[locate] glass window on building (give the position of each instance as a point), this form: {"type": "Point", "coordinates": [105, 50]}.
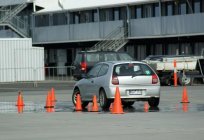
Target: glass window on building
{"type": "Point", "coordinates": [110, 14]}
{"type": "Point", "coordinates": [139, 11]}
{"type": "Point", "coordinates": [107, 14]}
{"type": "Point", "coordinates": [41, 20]}
{"type": "Point", "coordinates": [183, 8]}
{"type": "Point", "coordinates": [156, 10]}
{"type": "Point", "coordinates": [102, 15]}
{"type": "Point", "coordinates": [169, 9]}
{"type": "Point", "coordinates": [123, 13]}
{"type": "Point", "coordinates": [95, 16]}
{"type": "Point", "coordinates": [71, 18]}
{"type": "Point", "coordinates": [59, 18]}
{"type": "Point", "coordinates": [147, 11]}
{"type": "Point", "coordinates": [85, 16]}
{"type": "Point", "coordinates": [133, 12]}
{"type": "Point", "coordinates": [163, 9]}
{"type": "Point", "coordinates": [116, 13]}
{"type": "Point", "coordinates": [76, 17]}
{"type": "Point", "coordinates": [197, 6]}
{"type": "Point", "coordinates": [82, 17]}
{"type": "Point", "coordinates": [89, 16]}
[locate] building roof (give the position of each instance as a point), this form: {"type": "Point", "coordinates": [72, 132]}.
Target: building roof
{"type": "Point", "coordinates": [72, 5]}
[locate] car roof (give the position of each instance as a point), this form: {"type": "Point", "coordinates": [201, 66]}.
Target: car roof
{"type": "Point", "coordinates": [122, 62]}
{"type": "Point", "coordinates": [100, 52]}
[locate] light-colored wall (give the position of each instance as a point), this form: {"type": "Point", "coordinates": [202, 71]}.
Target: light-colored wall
{"type": "Point", "coordinates": [171, 26]}
{"type": "Point", "coordinates": [74, 32]}
{"type": "Point", "coordinates": [19, 61]}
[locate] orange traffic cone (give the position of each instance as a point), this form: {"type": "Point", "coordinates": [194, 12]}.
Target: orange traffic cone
{"type": "Point", "coordinates": [185, 107]}
{"type": "Point", "coordinates": [20, 99]}
{"type": "Point", "coordinates": [95, 104]}
{"type": "Point", "coordinates": [20, 109]}
{"type": "Point", "coordinates": [146, 107]}
{"type": "Point", "coordinates": [50, 110]}
{"type": "Point", "coordinates": [53, 98]}
{"type": "Point", "coordinates": [117, 104]}
{"type": "Point", "coordinates": [185, 96]}
{"type": "Point", "coordinates": [78, 106]}
{"type": "Point", "coordinates": [49, 103]}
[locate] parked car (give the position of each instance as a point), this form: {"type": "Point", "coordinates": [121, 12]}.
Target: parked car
{"type": "Point", "coordinates": [85, 60]}
{"type": "Point", "coordinates": [136, 80]}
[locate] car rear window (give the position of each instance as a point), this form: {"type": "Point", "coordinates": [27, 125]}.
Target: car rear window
{"type": "Point", "coordinates": [132, 69]}
{"type": "Point", "coordinates": [124, 56]}
{"type": "Point", "coordinates": [92, 57]}
{"type": "Point", "coordinates": [110, 56]}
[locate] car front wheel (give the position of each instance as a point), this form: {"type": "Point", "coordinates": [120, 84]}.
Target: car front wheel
{"type": "Point", "coordinates": [74, 97]}
{"type": "Point", "coordinates": [103, 101]}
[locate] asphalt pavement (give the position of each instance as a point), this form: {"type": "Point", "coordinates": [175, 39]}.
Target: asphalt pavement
{"type": "Point", "coordinates": [171, 120]}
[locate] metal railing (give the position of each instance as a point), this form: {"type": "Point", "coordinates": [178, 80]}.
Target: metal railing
{"type": "Point", "coordinates": [10, 13]}
{"type": "Point", "coordinates": [113, 41]}
{"type": "Point", "coordinates": [35, 75]}
{"type": "Point", "coordinates": [8, 17]}
{"type": "Point", "coordinates": [59, 73]}
{"type": "Point", "coordinates": [20, 25]}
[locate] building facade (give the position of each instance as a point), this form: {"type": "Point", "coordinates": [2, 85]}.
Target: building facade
{"type": "Point", "coordinates": [155, 27]}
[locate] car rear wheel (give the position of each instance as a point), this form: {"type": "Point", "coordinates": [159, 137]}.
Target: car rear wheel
{"type": "Point", "coordinates": [103, 101]}
{"type": "Point", "coordinates": [153, 102]}
{"type": "Point", "coordinates": [74, 97]}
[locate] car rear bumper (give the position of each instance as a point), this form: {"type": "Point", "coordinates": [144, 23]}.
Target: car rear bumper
{"type": "Point", "coordinates": [145, 92]}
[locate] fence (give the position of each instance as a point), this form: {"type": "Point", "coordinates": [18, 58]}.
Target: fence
{"type": "Point", "coordinates": [59, 73]}
{"type": "Point", "coordinates": [36, 74]}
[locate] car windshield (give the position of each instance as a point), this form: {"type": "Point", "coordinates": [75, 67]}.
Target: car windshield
{"type": "Point", "coordinates": [92, 57]}
{"type": "Point", "coordinates": [132, 69]}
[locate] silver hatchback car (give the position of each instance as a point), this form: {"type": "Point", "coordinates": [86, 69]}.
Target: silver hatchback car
{"type": "Point", "coordinates": [136, 81]}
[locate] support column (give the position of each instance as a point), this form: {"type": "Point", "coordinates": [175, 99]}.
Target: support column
{"type": "Point", "coordinates": [128, 21]}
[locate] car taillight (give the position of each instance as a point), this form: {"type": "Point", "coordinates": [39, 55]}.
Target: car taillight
{"type": "Point", "coordinates": [83, 66]}
{"type": "Point", "coordinates": [154, 79]}
{"type": "Point", "coordinates": [115, 80]}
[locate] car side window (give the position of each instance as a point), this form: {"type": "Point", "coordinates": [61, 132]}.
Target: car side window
{"type": "Point", "coordinates": [94, 71]}
{"type": "Point", "coordinates": [78, 59]}
{"type": "Point", "coordinates": [103, 70]}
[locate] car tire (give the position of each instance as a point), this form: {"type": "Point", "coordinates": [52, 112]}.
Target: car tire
{"type": "Point", "coordinates": [74, 96]}
{"type": "Point", "coordinates": [153, 102]}
{"type": "Point", "coordinates": [103, 100]}
{"type": "Point", "coordinates": [128, 103]}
